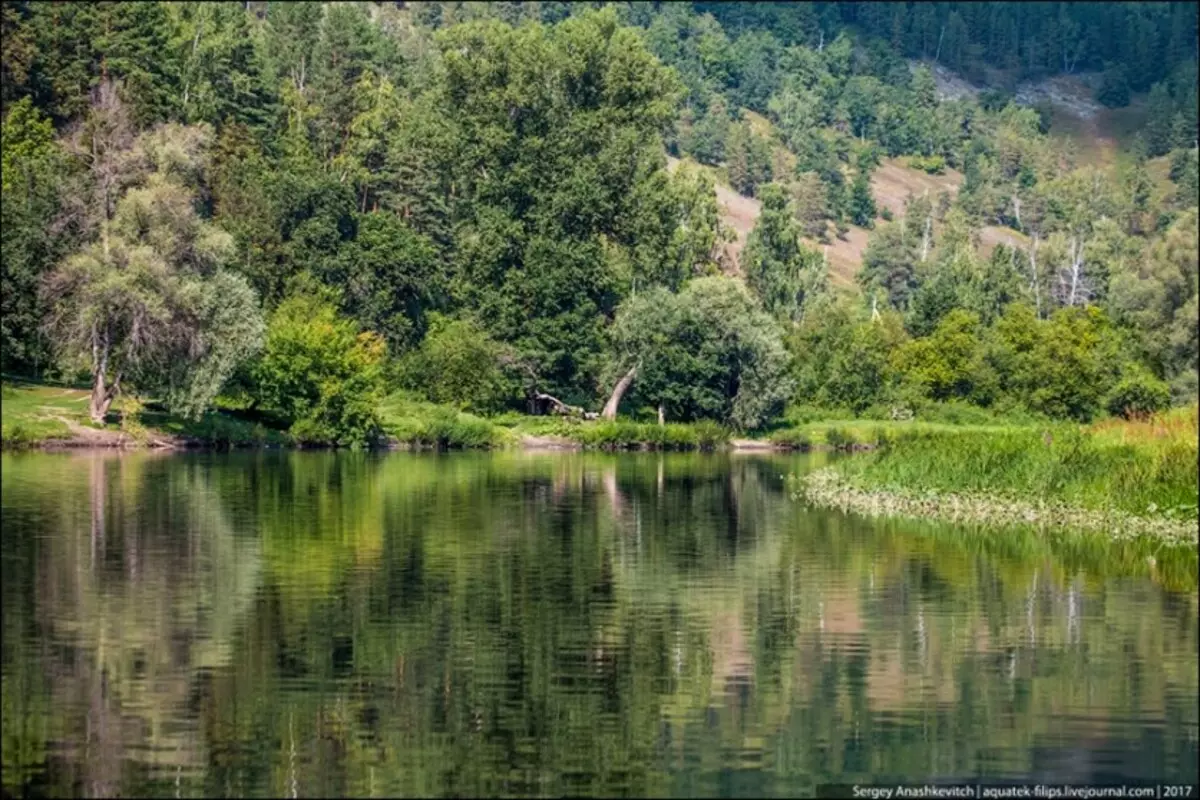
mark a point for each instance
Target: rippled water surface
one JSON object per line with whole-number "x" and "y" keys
{"x": 318, "y": 624}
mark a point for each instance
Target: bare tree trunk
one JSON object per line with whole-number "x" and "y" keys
{"x": 938, "y": 54}
{"x": 101, "y": 395}
{"x": 610, "y": 408}
{"x": 1037, "y": 287}
{"x": 925, "y": 239}
{"x": 1076, "y": 268}
{"x": 662, "y": 419}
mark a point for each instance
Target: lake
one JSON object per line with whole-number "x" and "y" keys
{"x": 305, "y": 624}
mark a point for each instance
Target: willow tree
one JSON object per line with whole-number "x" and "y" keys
{"x": 708, "y": 352}
{"x": 147, "y": 303}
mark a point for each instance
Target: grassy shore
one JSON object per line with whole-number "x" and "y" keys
{"x": 33, "y": 415}
{"x": 1120, "y": 477}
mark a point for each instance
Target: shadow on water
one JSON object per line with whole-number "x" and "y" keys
{"x": 288, "y": 624}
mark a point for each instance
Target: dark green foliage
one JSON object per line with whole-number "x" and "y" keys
{"x": 862, "y": 201}
{"x": 1138, "y": 394}
{"x": 1114, "y": 87}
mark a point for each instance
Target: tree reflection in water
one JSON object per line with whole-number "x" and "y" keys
{"x": 353, "y": 624}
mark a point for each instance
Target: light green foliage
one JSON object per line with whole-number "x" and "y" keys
{"x": 1137, "y": 394}
{"x": 150, "y": 304}
{"x": 842, "y": 358}
{"x": 947, "y": 363}
{"x": 1062, "y": 367}
{"x": 32, "y": 165}
{"x": 784, "y": 273}
{"x": 320, "y": 373}
{"x": 709, "y": 352}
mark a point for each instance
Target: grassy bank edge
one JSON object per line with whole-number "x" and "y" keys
{"x": 829, "y": 489}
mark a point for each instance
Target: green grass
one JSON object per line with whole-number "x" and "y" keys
{"x": 29, "y": 413}
{"x": 33, "y": 414}
{"x": 417, "y": 423}
{"x": 1126, "y": 469}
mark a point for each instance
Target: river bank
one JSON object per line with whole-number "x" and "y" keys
{"x": 1122, "y": 478}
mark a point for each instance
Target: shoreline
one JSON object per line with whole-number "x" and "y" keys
{"x": 97, "y": 439}
{"x": 826, "y": 488}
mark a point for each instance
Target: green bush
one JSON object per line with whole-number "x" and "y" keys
{"x": 459, "y": 364}
{"x": 792, "y": 439}
{"x": 933, "y": 165}
{"x": 839, "y": 438}
{"x": 1138, "y": 394}
{"x": 320, "y": 373}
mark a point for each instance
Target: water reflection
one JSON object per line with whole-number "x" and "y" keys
{"x": 336, "y": 624}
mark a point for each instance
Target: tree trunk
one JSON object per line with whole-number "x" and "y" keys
{"x": 662, "y": 419}
{"x": 1037, "y": 288}
{"x": 102, "y": 395}
{"x": 610, "y": 408}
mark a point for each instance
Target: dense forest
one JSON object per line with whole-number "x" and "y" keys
{"x": 297, "y": 208}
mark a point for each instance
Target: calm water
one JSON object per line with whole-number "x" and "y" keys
{"x": 317, "y": 624}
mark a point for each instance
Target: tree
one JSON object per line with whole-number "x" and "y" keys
{"x": 709, "y": 352}
{"x": 149, "y": 305}
{"x": 388, "y": 275}
{"x": 945, "y": 364}
{"x": 1114, "y": 87}
{"x": 459, "y": 364}
{"x": 862, "y": 201}
{"x": 890, "y": 264}
{"x": 319, "y": 372}
{"x": 808, "y": 195}
{"x": 748, "y": 159}
{"x": 779, "y": 268}
{"x": 32, "y": 168}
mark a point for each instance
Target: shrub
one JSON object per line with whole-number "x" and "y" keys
{"x": 886, "y": 214}
{"x": 459, "y": 364}
{"x": 933, "y": 165}
{"x": 839, "y": 439}
{"x": 320, "y": 373}
{"x": 1138, "y": 394}
{"x": 792, "y": 439}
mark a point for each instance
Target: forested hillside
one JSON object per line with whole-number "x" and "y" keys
{"x": 299, "y": 208}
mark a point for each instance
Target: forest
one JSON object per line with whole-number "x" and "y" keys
{"x": 302, "y": 211}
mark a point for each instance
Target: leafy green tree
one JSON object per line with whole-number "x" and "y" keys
{"x": 842, "y": 356}
{"x": 149, "y": 305}
{"x": 862, "y": 201}
{"x": 31, "y": 170}
{"x": 946, "y": 364}
{"x": 1156, "y": 298}
{"x": 709, "y": 352}
{"x": 459, "y": 364}
{"x": 779, "y": 268}
{"x": 389, "y": 277}
{"x": 319, "y": 372}
{"x": 1138, "y": 394}
{"x": 890, "y": 264}
{"x": 710, "y": 134}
